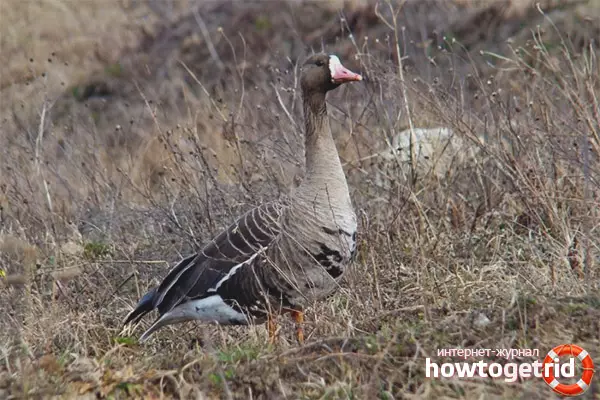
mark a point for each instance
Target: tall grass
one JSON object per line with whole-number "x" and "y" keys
{"x": 498, "y": 250}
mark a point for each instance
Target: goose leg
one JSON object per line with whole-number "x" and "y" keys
{"x": 298, "y": 317}
{"x": 272, "y": 328}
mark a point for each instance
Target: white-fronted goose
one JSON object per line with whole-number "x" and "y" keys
{"x": 278, "y": 257}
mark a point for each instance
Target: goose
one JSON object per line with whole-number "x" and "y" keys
{"x": 281, "y": 256}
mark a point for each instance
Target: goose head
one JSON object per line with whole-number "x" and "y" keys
{"x": 322, "y": 73}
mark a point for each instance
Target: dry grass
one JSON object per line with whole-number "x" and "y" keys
{"x": 156, "y": 142}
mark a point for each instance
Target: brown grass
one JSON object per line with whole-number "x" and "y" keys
{"x": 116, "y": 164}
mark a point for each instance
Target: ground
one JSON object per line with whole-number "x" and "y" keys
{"x": 132, "y": 131}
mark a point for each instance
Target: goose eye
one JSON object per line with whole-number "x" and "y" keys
{"x": 320, "y": 63}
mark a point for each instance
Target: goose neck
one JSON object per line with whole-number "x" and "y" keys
{"x": 324, "y": 174}
{"x": 321, "y": 153}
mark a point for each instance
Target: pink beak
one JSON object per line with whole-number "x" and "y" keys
{"x": 341, "y": 74}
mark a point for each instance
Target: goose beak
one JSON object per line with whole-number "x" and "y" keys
{"x": 341, "y": 74}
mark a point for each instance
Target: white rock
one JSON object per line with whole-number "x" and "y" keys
{"x": 437, "y": 150}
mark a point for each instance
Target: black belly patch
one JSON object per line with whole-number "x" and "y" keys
{"x": 330, "y": 260}
{"x": 334, "y": 271}
{"x": 330, "y": 254}
{"x": 354, "y": 247}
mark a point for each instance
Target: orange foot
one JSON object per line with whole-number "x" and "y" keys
{"x": 272, "y": 328}
{"x": 298, "y": 317}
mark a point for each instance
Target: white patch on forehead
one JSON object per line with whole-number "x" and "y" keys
{"x": 334, "y": 63}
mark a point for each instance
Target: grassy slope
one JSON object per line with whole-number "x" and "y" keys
{"x": 115, "y": 180}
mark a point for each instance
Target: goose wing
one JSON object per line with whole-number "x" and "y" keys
{"x": 203, "y": 273}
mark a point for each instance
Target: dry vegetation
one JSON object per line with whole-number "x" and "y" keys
{"x": 131, "y": 131}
